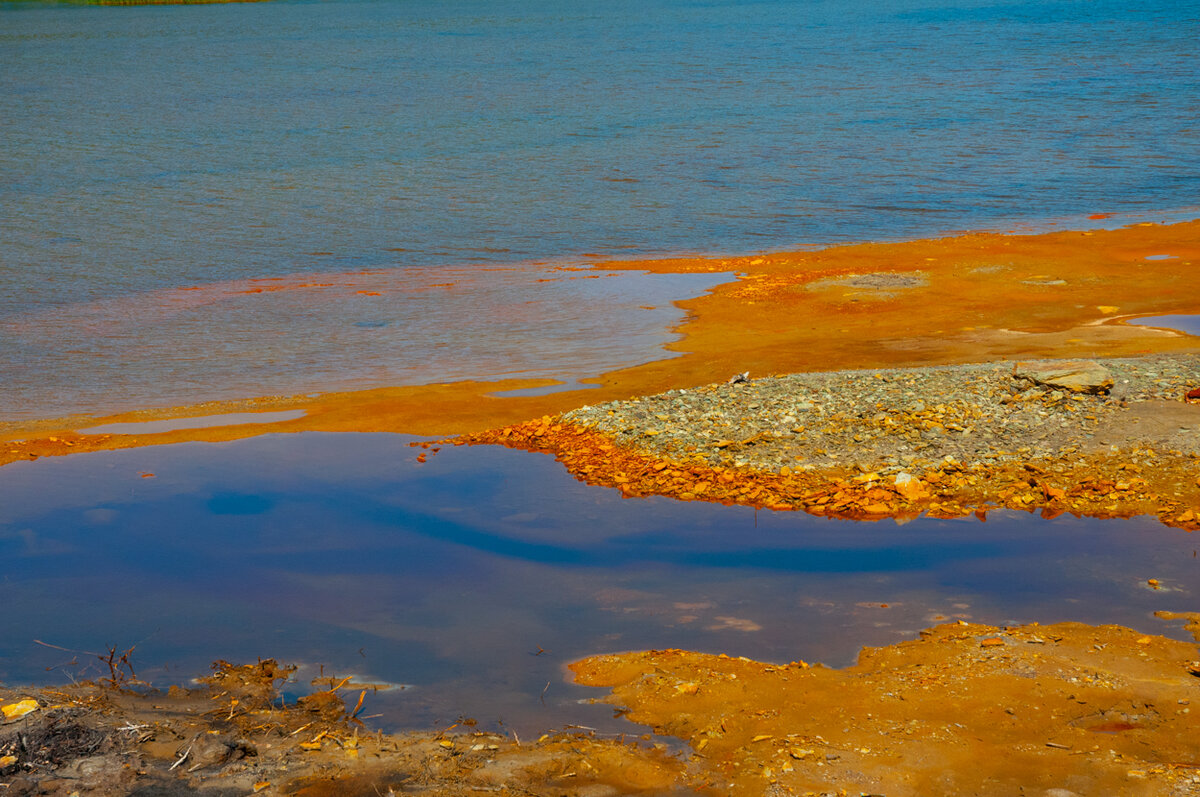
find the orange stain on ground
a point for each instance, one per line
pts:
(963, 709)
(946, 490)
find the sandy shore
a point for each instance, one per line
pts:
(968, 299)
(1056, 710)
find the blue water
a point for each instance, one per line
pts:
(1188, 324)
(342, 551)
(148, 148)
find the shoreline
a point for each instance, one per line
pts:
(967, 299)
(941, 441)
(918, 418)
(1075, 709)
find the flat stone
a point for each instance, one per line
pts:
(1077, 376)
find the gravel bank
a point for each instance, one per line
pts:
(942, 441)
(891, 420)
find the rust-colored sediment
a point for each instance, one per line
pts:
(1097, 485)
(1063, 709)
(971, 298)
(964, 709)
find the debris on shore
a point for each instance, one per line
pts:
(236, 734)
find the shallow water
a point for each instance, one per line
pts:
(1189, 324)
(451, 576)
(208, 202)
(153, 148)
(336, 332)
(201, 422)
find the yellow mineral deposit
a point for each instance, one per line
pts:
(14, 711)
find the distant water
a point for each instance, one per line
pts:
(150, 148)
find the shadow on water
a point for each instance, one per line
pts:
(473, 578)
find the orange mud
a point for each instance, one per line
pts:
(971, 298)
(965, 709)
(1060, 710)
(974, 298)
(1097, 485)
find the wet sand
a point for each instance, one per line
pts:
(1063, 709)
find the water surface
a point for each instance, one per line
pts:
(474, 578)
(1189, 324)
(155, 148)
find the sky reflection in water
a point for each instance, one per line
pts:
(342, 550)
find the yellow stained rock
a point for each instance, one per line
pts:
(14, 711)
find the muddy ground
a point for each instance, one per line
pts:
(1056, 710)
(234, 734)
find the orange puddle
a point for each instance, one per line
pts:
(969, 298)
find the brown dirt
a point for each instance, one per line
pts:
(233, 736)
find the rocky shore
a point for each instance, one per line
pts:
(1113, 437)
